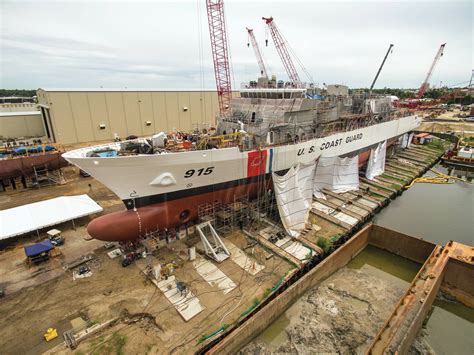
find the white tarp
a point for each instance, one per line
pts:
(337, 175)
(305, 175)
(410, 139)
(376, 164)
(403, 140)
(293, 193)
(34, 216)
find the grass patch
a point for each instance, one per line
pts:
(113, 345)
(323, 243)
(437, 144)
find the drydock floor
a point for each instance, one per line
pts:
(142, 319)
(344, 312)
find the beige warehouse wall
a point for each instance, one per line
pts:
(77, 115)
(19, 126)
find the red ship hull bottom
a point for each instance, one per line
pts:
(133, 223)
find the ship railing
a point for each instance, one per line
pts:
(281, 86)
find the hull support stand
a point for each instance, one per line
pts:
(214, 247)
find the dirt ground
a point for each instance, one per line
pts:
(146, 321)
(14, 273)
(341, 315)
(461, 128)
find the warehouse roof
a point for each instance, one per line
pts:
(20, 113)
(123, 90)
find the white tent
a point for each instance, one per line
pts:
(337, 175)
(376, 163)
(34, 216)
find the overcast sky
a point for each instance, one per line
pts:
(157, 44)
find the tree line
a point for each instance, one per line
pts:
(17, 92)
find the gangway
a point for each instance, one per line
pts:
(214, 247)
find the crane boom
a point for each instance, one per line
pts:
(282, 50)
(258, 54)
(380, 68)
(424, 86)
(220, 52)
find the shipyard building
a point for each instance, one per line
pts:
(86, 115)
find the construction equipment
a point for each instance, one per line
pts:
(258, 54)
(220, 52)
(50, 334)
(54, 235)
(282, 50)
(380, 68)
(425, 84)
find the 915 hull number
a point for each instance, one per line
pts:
(199, 172)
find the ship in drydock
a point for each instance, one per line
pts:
(268, 129)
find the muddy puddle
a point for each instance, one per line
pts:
(344, 312)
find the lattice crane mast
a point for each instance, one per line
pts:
(282, 50)
(258, 54)
(381, 66)
(424, 86)
(220, 52)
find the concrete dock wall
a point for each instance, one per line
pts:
(414, 249)
(270, 312)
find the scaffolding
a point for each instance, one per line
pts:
(45, 177)
(226, 217)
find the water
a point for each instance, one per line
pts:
(275, 334)
(450, 328)
(434, 212)
(439, 213)
(385, 265)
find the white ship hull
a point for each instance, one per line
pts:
(159, 179)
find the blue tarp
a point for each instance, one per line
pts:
(107, 154)
(38, 248)
(37, 149)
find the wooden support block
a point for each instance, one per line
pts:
(378, 185)
(331, 219)
(340, 208)
(346, 200)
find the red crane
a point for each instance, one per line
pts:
(282, 50)
(261, 64)
(424, 86)
(220, 52)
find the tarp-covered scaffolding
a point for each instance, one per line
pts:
(376, 163)
(294, 190)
